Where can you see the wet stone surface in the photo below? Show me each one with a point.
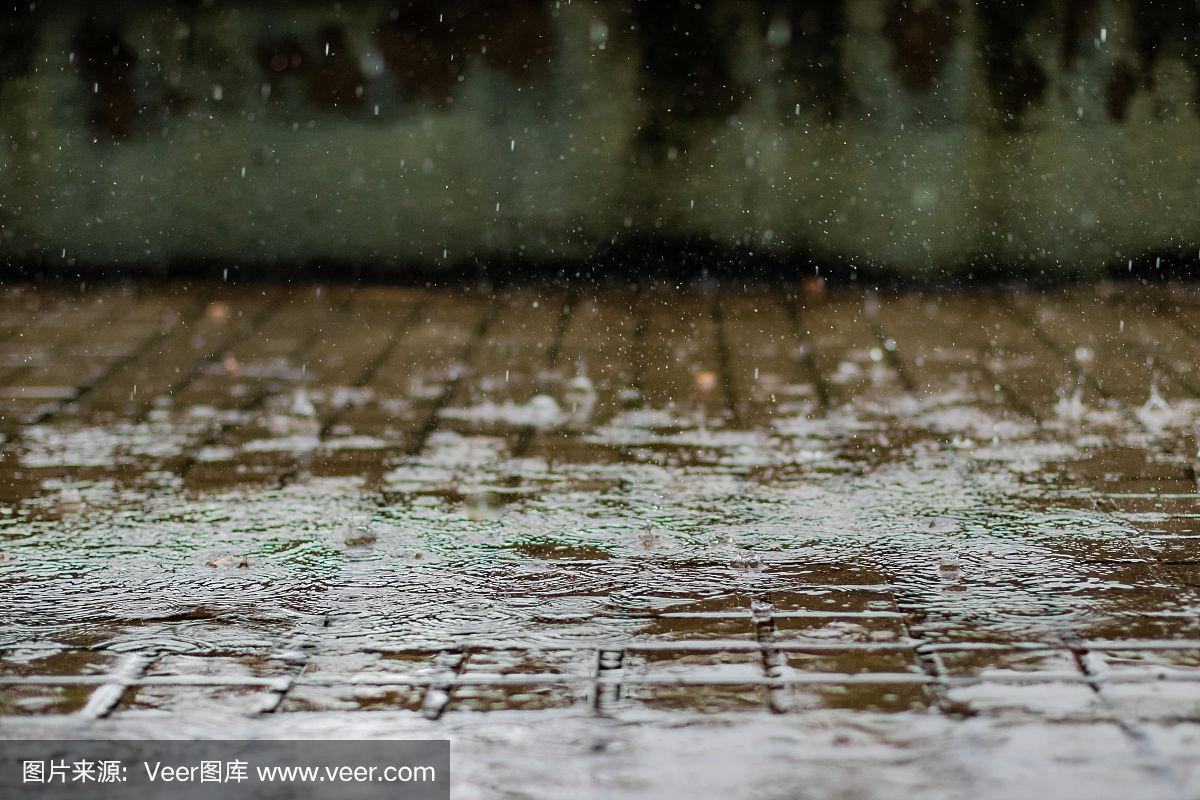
(721, 539)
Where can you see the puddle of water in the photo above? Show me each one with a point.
(906, 570)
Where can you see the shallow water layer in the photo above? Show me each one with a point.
(729, 540)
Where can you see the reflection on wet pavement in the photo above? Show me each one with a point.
(616, 541)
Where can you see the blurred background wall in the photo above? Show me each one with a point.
(910, 135)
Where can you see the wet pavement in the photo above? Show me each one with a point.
(725, 540)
